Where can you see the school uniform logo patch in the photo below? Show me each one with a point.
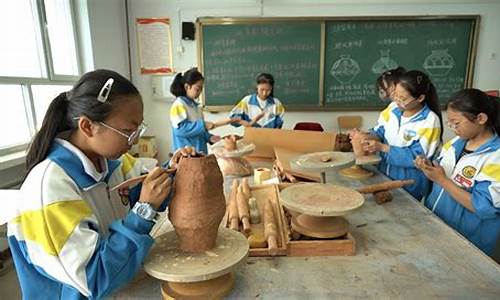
(409, 134)
(463, 181)
(469, 171)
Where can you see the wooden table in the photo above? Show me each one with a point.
(402, 251)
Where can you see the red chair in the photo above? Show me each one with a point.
(493, 93)
(311, 126)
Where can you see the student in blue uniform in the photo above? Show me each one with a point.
(260, 109)
(72, 237)
(410, 126)
(189, 127)
(466, 176)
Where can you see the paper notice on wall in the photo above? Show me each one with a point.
(155, 45)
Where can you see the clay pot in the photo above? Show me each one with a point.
(198, 205)
(230, 142)
(357, 146)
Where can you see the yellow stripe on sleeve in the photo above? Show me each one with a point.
(51, 226)
(178, 111)
(128, 162)
(386, 113)
(492, 170)
(430, 134)
(448, 145)
(242, 105)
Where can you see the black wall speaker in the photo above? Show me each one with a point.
(188, 31)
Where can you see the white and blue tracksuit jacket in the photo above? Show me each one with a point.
(479, 174)
(188, 125)
(249, 107)
(408, 138)
(72, 238)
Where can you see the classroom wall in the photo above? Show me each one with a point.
(156, 112)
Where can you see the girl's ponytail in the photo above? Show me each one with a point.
(54, 123)
(177, 86)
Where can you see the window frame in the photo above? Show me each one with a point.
(48, 76)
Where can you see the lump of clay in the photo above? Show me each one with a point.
(230, 142)
(198, 205)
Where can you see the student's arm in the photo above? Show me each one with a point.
(240, 111)
(70, 249)
(190, 128)
(278, 120)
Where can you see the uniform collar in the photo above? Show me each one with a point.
(189, 101)
(78, 166)
(493, 144)
(254, 101)
(420, 115)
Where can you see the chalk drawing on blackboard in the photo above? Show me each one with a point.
(384, 63)
(439, 62)
(345, 69)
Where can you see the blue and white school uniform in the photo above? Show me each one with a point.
(478, 173)
(251, 106)
(72, 238)
(408, 138)
(188, 125)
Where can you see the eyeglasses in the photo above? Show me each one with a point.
(453, 125)
(131, 138)
(404, 101)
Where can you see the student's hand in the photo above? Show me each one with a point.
(209, 125)
(214, 139)
(373, 146)
(156, 187)
(181, 153)
(257, 117)
(420, 162)
(353, 132)
(244, 123)
(434, 172)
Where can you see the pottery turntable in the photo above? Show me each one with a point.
(196, 260)
(317, 208)
(363, 158)
(229, 152)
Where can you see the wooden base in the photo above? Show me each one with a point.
(343, 246)
(212, 289)
(320, 227)
(356, 172)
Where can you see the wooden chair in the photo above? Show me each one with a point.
(349, 122)
(308, 126)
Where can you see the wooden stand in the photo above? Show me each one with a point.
(356, 172)
(320, 227)
(213, 289)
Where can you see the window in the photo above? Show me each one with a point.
(38, 60)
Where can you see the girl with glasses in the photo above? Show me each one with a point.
(72, 236)
(189, 127)
(410, 126)
(466, 176)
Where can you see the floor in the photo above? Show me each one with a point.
(9, 285)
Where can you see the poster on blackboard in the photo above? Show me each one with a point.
(154, 41)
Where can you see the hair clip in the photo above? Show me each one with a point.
(106, 89)
(419, 79)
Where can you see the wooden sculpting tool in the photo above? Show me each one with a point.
(270, 230)
(243, 213)
(246, 188)
(135, 180)
(233, 207)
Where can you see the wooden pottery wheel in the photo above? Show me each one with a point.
(204, 275)
(322, 162)
(321, 207)
(357, 171)
(232, 163)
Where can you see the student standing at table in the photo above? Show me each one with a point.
(466, 176)
(410, 126)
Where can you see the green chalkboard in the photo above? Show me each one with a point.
(234, 54)
(330, 63)
(358, 51)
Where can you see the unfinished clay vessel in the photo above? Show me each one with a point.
(362, 157)
(198, 205)
(230, 142)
